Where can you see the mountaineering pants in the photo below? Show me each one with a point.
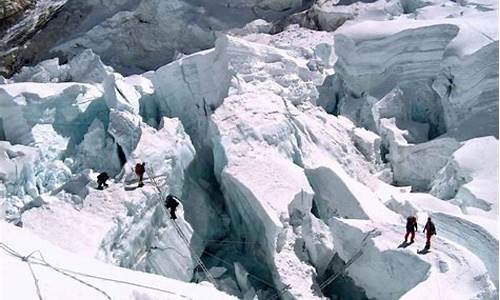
(172, 214)
(101, 185)
(408, 232)
(428, 242)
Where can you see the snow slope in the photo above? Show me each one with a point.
(82, 276)
(450, 270)
(146, 241)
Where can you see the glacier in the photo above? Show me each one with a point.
(298, 136)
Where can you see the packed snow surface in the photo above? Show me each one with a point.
(61, 274)
(297, 135)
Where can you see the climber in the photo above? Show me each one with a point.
(431, 230)
(411, 227)
(139, 171)
(172, 204)
(101, 180)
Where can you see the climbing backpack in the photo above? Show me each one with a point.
(432, 228)
(171, 202)
(139, 169)
(102, 177)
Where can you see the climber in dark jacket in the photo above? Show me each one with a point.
(101, 180)
(411, 227)
(171, 203)
(139, 171)
(431, 230)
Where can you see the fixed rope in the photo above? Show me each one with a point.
(26, 259)
(281, 292)
(204, 268)
(44, 263)
(349, 262)
(229, 264)
(269, 285)
(197, 259)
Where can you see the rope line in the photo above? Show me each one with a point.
(75, 278)
(357, 255)
(197, 259)
(281, 292)
(124, 282)
(270, 285)
(44, 263)
(231, 265)
(26, 259)
(476, 29)
(216, 241)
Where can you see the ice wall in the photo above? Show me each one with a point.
(76, 128)
(270, 136)
(407, 60)
(468, 87)
(466, 175)
(128, 226)
(59, 104)
(135, 36)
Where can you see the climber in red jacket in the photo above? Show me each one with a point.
(139, 171)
